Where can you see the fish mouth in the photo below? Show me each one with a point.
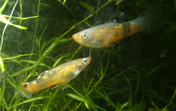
(89, 59)
(74, 36)
(77, 38)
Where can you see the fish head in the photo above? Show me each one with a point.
(24, 90)
(81, 64)
(75, 67)
(26, 86)
(86, 37)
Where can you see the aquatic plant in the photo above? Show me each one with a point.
(127, 77)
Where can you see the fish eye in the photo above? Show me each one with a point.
(84, 35)
(24, 85)
(85, 61)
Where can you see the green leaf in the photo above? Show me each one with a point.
(87, 6)
(59, 59)
(64, 1)
(77, 98)
(2, 65)
(3, 6)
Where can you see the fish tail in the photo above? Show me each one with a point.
(23, 93)
(151, 20)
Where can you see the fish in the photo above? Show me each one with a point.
(59, 76)
(106, 35)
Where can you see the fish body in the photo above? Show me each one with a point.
(60, 75)
(107, 34)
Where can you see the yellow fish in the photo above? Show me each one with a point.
(59, 76)
(107, 34)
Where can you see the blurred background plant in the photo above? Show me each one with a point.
(137, 74)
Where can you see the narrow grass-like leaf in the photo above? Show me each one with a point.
(88, 24)
(121, 73)
(2, 65)
(28, 100)
(51, 97)
(2, 90)
(3, 6)
(48, 103)
(170, 100)
(21, 10)
(123, 106)
(152, 109)
(138, 80)
(129, 86)
(118, 1)
(33, 62)
(154, 105)
(75, 90)
(159, 66)
(7, 57)
(87, 6)
(58, 60)
(67, 105)
(104, 96)
(109, 100)
(87, 106)
(90, 82)
(67, 8)
(5, 104)
(77, 97)
(100, 108)
(39, 41)
(107, 65)
(76, 52)
(10, 82)
(4, 20)
(64, 1)
(12, 100)
(24, 18)
(90, 101)
(31, 74)
(63, 40)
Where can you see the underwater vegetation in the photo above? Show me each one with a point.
(136, 74)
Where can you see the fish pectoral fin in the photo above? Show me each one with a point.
(59, 85)
(22, 93)
(114, 44)
(71, 76)
(67, 59)
(65, 86)
(120, 17)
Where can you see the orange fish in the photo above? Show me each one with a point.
(59, 76)
(107, 34)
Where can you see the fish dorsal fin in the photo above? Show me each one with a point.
(67, 59)
(119, 17)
